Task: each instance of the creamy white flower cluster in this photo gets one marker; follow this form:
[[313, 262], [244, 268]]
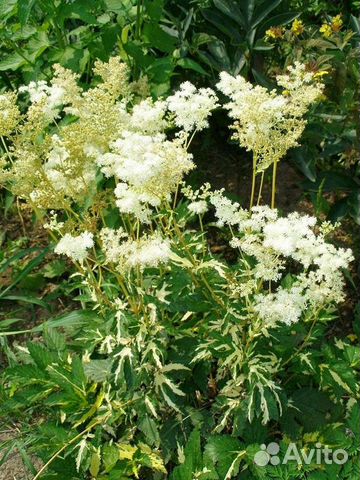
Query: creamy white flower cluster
[[120, 250], [126, 253], [146, 165], [147, 168], [198, 199], [268, 123], [75, 247], [192, 106], [272, 241], [149, 117], [49, 96], [59, 171], [9, 113], [226, 211]]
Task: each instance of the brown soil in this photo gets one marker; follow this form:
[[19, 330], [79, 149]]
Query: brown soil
[[13, 468]]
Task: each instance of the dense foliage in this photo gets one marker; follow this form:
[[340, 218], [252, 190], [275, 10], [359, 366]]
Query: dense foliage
[[180, 331]]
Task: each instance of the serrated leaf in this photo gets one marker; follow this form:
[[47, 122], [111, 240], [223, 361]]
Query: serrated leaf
[[98, 370], [151, 458], [41, 355], [193, 459], [149, 428], [224, 452], [126, 451], [110, 456], [95, 464]]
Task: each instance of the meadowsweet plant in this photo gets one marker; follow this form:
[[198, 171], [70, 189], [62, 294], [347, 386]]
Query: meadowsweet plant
[[269, 123], [173, 339]]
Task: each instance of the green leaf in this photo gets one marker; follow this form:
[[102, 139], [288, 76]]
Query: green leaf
[[10, 321], [309, 408], [355, 24], [189, 64], [250, 6], [154, 8], [81, 9], [18, 256], [305, 162], [193, 459], [54, 340], [354, 206], [63, 378], [161, 69], [224, 24], [222, 450], [54, 269], [157, 38], [353, 420], [26, 270], [263, 11], [261, 79], [26, 299], [231, 9], [41, 355], [334, 181], [149, 428], [7, 8], [218, 58], [191, 303], [12, 62], [277, 20], [339, 210], [74, 319], [26, 459], [72, 57], [117, 7], [95, 464], [24, 10], [98, 370], [37, 45], [239, 61], [110, 456]]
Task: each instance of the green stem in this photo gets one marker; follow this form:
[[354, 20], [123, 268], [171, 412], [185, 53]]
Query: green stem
[[64, 447], [253, 183], [6, 149], [261, 187], [273, 188], [138, 19], [304, 344]]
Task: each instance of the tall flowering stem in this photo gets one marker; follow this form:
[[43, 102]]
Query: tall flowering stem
[[270, 122]]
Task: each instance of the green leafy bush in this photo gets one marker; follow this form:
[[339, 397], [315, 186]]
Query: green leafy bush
[[37, 34], [181, 363]]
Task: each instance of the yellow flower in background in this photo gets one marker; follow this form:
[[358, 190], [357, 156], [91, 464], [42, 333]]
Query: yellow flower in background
[[334, 27], [274, 33], [321, 73], [326, 30], [297, 27], [337, 23]]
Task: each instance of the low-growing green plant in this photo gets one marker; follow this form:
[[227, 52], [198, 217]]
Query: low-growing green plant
[[181, 362]]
